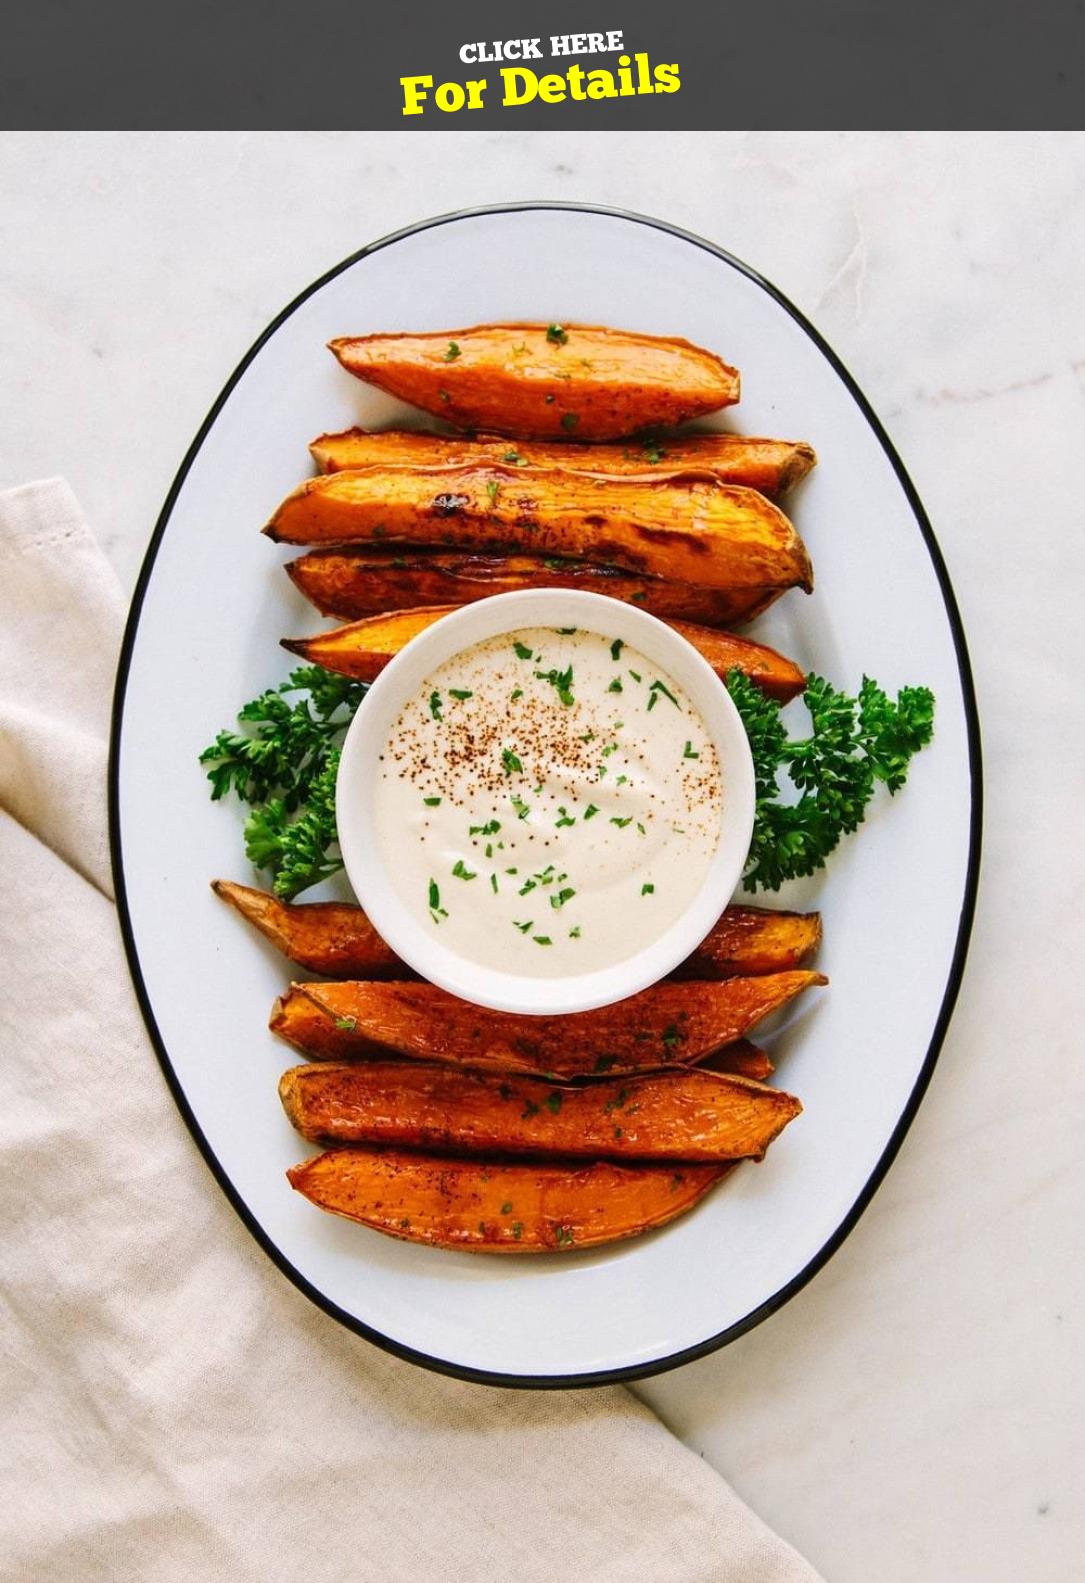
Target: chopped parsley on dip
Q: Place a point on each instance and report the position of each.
(549, 800)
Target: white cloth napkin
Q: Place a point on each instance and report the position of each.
(173, 1411)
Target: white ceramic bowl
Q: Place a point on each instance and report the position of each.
(367, 865)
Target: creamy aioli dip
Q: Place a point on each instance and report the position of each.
(549, 801)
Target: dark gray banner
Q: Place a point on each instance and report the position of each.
(607, 64)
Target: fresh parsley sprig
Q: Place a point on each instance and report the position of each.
(284, 766)
(854, 744)
(300, 851)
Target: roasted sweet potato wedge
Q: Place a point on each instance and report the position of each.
(669, 1024)
(547, 382)
(351, 583)
(772, 466)
(742, 1058)
(776, 676)
(363, 649)
(338, 941)
(331, 938)
(753, 940)
(683, 1115)
(483, 1207)
(687, 529)
(311, 1029)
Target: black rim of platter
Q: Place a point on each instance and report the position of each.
(798, 1281)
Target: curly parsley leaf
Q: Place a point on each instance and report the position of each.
(308, 852)
(854, 743)
(284, 766)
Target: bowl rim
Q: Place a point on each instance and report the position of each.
(366, 864)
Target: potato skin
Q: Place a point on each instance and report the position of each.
(349, 583)
(363, 648)
(685, 529)
(772, 466)
(678, 1115)
(669, 1024)
(588, 382)
(486, 1207)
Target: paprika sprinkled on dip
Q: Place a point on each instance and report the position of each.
(548, 802)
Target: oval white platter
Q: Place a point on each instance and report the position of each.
(897, 898)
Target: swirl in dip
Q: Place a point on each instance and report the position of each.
(550, 801)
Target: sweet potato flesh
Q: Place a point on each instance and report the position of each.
(754, 940)
(685, 529)
(350, 583)
(772, 466)
(666, 1025)
(742, 1058)
(680, 1115)
(582, 381)
(483, 1207)
(363, 649)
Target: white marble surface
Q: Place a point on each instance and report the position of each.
(916, 1413)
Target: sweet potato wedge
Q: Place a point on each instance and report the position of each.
(772, 466)
(753, 940)
(670, 1024)
(330, 938)
(553, 382)
(363, 649)
(483, 1207)
(686, 529)
(684, 1115)
(742, 1058)
(351, 583)
(337, 940)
